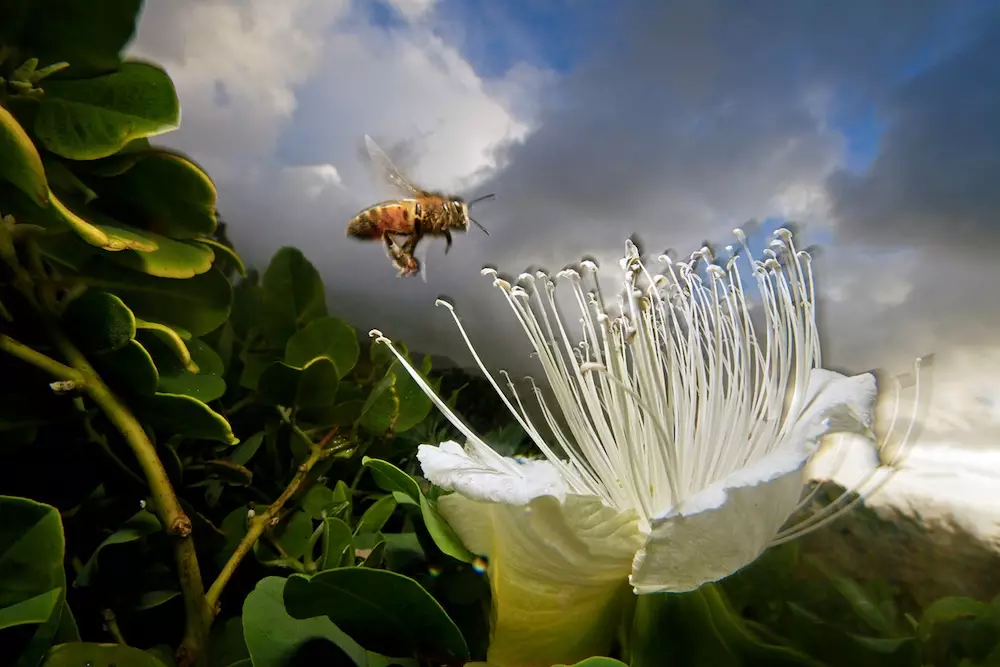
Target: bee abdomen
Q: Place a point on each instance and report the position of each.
(374, 221)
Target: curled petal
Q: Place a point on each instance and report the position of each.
(721, 529)
(491, 478)
(729, 524)
(836, 403)
(557, 573)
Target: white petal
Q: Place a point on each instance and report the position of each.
(557, 571)
(723, 528)
(836, 403)
(497, 479)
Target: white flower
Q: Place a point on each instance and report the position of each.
(679, 444)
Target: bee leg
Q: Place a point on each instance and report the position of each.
(447, 238)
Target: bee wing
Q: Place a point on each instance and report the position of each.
(389, 170)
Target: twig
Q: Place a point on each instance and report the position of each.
(261, 522)
(111, 625)
(165, 501)
(42, 361)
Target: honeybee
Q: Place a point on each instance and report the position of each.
(422, 213)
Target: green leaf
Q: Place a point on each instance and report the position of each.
(317, 499)
(205, 385)
(198, 304)
(78, 654)
(152, 599)
(90, 36)
(292, 295)
(292, 535)
(242, 454)
(375, 516)
(93, 118)
(324, 337)
(172, 339)
(171, 259)
(395, 404)
(100, 322)
(141, 524)
(392, 479)
(31, 564)
(131, 367)
(169, 195)
(187, 416)
(228, 253)
(311, 387)
(589, 662)
(33, 611)
(951, 608)
(21, 164)
(61, 177)
(337, 544)
(862, 604)
(397, 617)
(274, 638)
(93, 227)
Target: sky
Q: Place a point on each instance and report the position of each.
(872, 127)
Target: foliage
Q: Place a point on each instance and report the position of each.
(200, 464)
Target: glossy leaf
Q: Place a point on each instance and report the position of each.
(31, 565)
(131, 367)
(228, 253)
(337, 545)
(376, 515)
(187, 416)
(78, 654)
(292, 295)
(93, 118)
(274, 638)
(33, 611)
(398, 618)
(90, 36)
(172, 339)
(205, 385)
(324, 337)
(169, 194)
(94, 228)
(21, 164)
(311, 387)
(99, 321)
(198, 304)
(171, 259)
(392, 479)
(141, 524)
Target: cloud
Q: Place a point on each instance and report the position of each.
(679, 121)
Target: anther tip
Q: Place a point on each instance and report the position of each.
(375, 333)
(501, 283)
(488, 271)
(443, 302)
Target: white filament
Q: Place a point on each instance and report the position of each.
(675, 392)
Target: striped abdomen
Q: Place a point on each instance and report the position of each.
(395, 217)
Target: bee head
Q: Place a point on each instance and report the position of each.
(465, 211)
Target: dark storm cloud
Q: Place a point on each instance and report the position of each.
(696, 114)
(684, 120)
(936, 181)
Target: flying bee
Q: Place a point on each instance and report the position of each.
(421, 213)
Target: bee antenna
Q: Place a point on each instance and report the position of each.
(483, 198)
(479, 225)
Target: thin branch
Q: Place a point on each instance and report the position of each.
(261, 522)
(42, 361)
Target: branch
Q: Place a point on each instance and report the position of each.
(261, 522)
(165, 501)
(42, 361)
